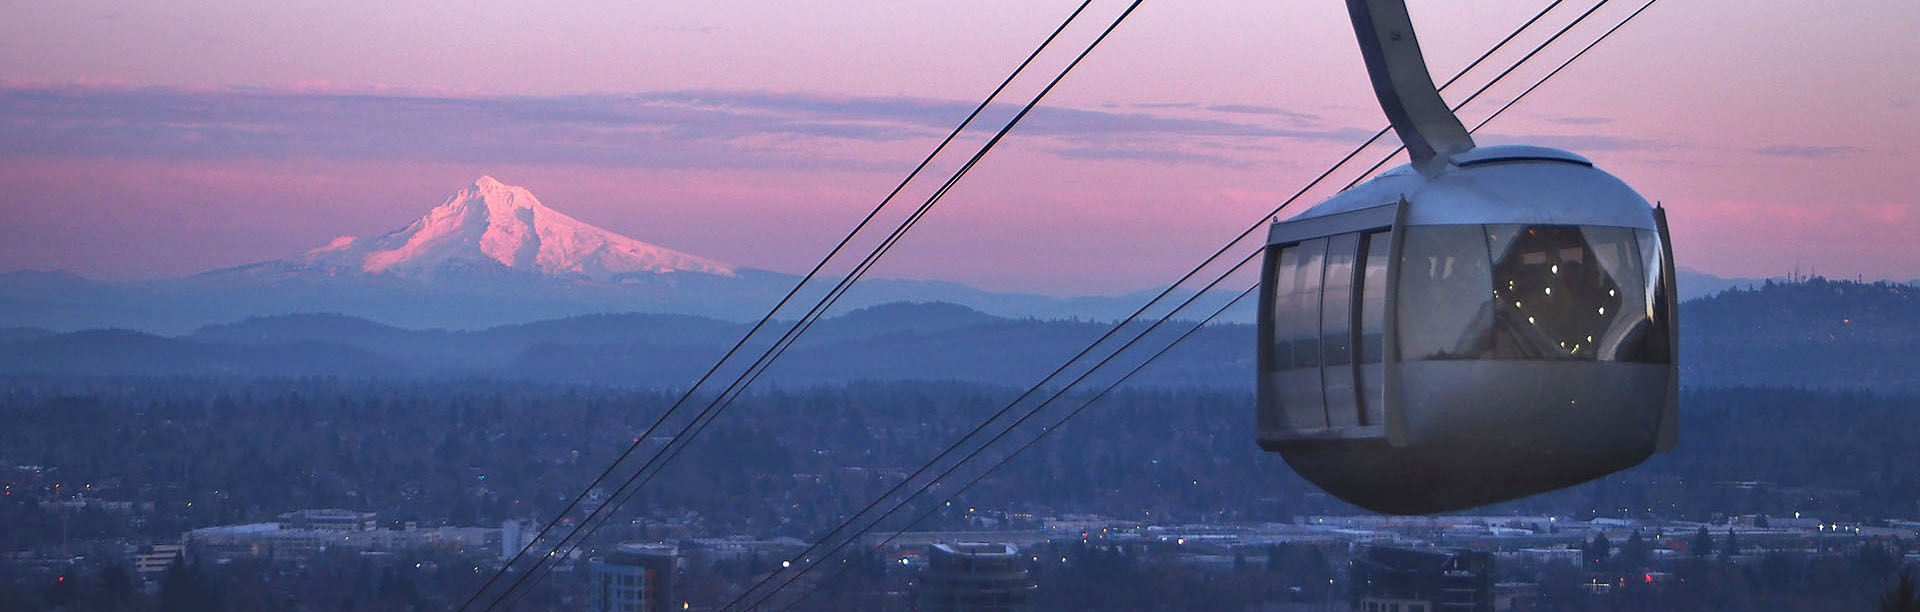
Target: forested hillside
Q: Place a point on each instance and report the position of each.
(1823, 333)
(478, 453)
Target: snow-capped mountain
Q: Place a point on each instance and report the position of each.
(490, 227)
(490, 255)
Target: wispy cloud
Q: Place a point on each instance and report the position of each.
(1257, 109)
(1811, 151)
(1296, 117)
(1578, 119)
(658, 130)
(1165, 156)
(676, 129)
(684, 29)
(1088, 124)
(1582, 143)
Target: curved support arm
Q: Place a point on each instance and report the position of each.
(1399, 72)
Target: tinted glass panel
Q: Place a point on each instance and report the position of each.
(1336, 306)
(1530, 320)
(1286, 313)
(1336, 331)
(1372, 324)
(1656, 344)
(1296, 384)
(1293, 318)
(1277, 351)
(1568, 293)
(1444, 301)
(1304, 302)
(1560, 292)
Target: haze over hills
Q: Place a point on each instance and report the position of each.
(1816, 334)
(493, 255)
(899, 341)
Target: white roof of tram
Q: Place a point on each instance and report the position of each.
(1502, 184)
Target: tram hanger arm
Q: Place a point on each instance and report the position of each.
(1413, 105)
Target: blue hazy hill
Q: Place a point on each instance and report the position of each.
(1816, 334)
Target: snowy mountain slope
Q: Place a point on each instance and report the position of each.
(492, 226)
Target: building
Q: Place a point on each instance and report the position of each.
(920, 540)
(974, 577)
(1541, 557)
(1393, 579)
(156, 559)
(634, 577)
(513, 538)
(286, 542)
(328, 519)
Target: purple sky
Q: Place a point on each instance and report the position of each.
(165, 138)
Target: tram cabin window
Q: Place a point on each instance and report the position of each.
(1298, 272)
(1336, 332)
(1558, 293)
(1375, 248)
(1328, 320)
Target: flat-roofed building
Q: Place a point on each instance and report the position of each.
(975, 577)
(157, 558)
(1394, 579)
(634, 577)
(329, 519)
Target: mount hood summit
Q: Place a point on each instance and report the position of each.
(491, 227)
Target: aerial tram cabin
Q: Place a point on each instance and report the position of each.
(1482, 324)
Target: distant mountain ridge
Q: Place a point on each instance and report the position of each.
(119, 352)
(918, 341)
(1816, 334)
(1695, 284)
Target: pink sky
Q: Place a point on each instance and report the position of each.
(159, 139)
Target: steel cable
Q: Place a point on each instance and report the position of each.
(844, 241)
(1242, 295)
